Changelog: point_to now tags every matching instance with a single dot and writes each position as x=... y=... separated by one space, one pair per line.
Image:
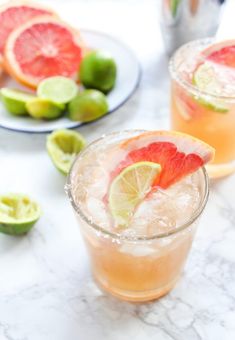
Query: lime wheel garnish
x=129 y=188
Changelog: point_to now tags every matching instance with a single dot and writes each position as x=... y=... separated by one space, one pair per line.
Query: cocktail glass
x=209 y=117
x=131 y=268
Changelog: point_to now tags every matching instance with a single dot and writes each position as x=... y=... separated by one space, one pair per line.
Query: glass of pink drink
x=143 y=260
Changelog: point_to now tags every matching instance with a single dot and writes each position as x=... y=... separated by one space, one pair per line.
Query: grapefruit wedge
x=15 y=13
x=42 y=48
x=178 y=154
x=222 y=53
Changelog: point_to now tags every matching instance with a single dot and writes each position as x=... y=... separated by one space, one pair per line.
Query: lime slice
x=63 y=146
x=207 y=79
x=98 y=70
x=15 y=101
x=18 y=214
x=44 y=109
x=87 y=106
x=57 y=89
x=130 y=188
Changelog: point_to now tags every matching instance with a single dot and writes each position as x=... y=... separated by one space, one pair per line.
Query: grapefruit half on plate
x=16 y=13
x=42 y=48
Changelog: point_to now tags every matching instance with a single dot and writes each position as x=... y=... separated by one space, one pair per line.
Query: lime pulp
x=57 y=89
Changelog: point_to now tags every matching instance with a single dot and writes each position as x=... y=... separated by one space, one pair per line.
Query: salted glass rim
x=175 y=75
x=118 y=236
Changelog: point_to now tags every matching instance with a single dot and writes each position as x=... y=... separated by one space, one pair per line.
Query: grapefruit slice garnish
x=178 y=154
x=15 y=13
x=222 y=53
x=53 y=49
x=129 y=188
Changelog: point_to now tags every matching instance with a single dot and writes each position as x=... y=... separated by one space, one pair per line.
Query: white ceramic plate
x=128 y=78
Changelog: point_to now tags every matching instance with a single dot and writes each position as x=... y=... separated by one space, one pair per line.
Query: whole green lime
x=87 y=106
x=98 y=70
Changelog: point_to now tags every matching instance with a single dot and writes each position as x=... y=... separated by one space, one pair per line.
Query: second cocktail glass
x=206 y=115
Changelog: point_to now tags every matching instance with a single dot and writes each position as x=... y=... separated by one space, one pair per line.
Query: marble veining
x=46 y=289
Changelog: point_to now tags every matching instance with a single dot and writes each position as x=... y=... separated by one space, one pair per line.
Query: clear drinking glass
x=209 y=117
x=131 y=268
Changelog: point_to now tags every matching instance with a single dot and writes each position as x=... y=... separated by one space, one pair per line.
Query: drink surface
x=161 y=212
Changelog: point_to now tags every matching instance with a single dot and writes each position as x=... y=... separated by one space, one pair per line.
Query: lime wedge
x=63 y=146
x=44 y=109
x=208 y=80
x=18 y=214
x=57 y=89
x=130 y=188
x=15 y=101
x=87 y=106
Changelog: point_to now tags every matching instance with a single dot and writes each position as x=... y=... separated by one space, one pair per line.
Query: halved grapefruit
x=177 y=153
x=15 y=13
x=42 y=48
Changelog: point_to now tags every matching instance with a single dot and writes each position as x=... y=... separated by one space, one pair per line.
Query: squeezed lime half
x=87 y=106
x=57 y=89
x=63 y=146
x=18 y=214
x=15 y=101
x=40 y=108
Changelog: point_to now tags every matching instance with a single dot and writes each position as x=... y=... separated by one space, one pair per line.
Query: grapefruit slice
x=178 y=154
x=53 y=49
x=222 y=53
x=15 y=13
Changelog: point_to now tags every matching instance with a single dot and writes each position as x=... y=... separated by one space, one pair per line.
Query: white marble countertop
x=46 y=290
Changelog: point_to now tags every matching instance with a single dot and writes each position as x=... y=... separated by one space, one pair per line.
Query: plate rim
x=76 y=125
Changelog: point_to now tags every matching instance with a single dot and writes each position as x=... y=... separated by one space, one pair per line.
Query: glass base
x=220 y=170
x=136 y=296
